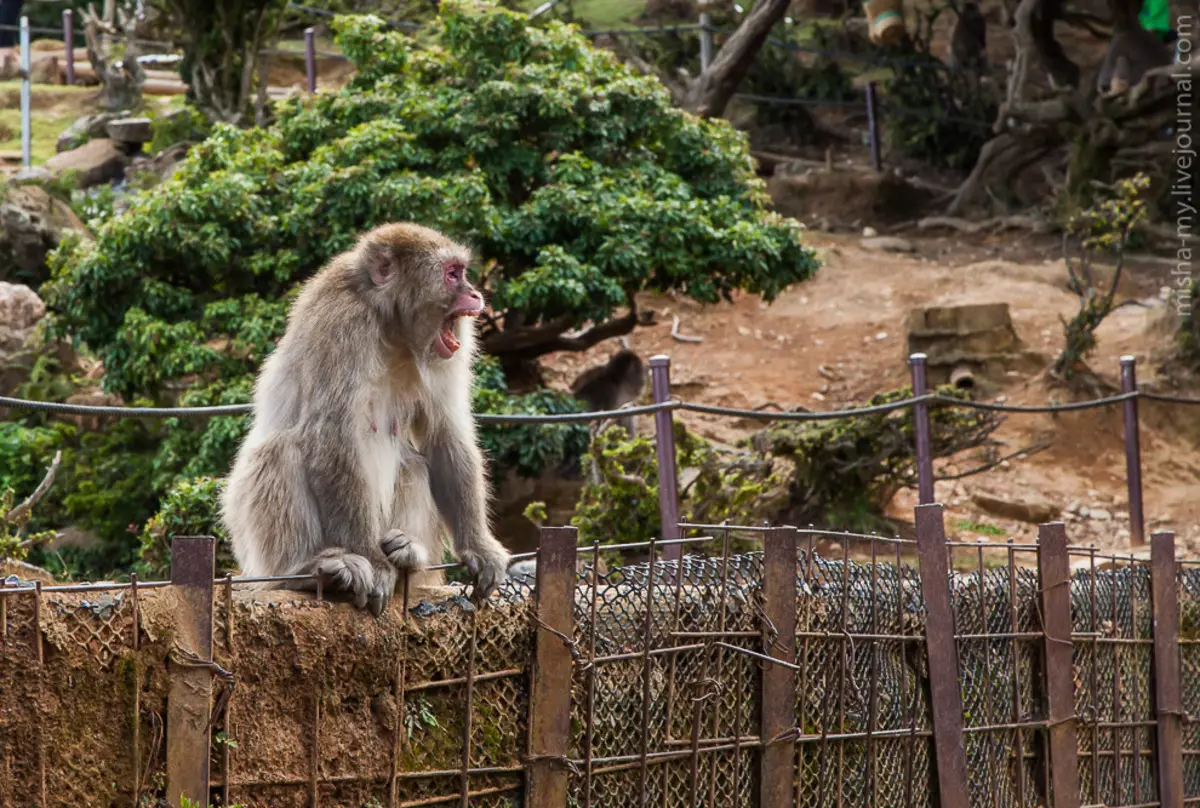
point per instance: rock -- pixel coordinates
(37, 173)
(887, 244)
(870, 232)
(94, 398)
(1030, 508)
(20, 311)
(130, 131)
(32, 223)
(1099, 514)
(45, 70)
(96, 161)
(84, 129)
(1073, 507)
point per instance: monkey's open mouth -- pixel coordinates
(446, 343)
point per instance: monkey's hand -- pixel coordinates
(488, 567)
(404, 553)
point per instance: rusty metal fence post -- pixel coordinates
(778, 770)
(664, 432)
(1133, 452)
(1054, 572)
(950, 753)
(190, 697)
(1168, 696)
(921, 421)
(550, 677)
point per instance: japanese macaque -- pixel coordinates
(1130, 54)
(362, 453)
(968, 39)
(613, 384)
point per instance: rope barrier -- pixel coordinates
(512, 419)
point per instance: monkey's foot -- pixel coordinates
(403, 552)
(347, 573)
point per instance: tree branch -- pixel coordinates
(22, 511)
(712, 92)
(530, 343)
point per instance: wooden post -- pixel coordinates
(664, 438)
(190, 697)
(550, 678)
(777, 788)
(950, 753)
(1168, 698)
(1054, 570)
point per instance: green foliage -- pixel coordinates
(190, 508)
(221, 41)
(1189, 326)
(1102, 229)
(185, 125)
(619, 500)
(576, 176)
(846, 470)
(936, 115)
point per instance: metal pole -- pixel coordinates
(873, 127)
(1168, 695)
(924, 444)
(1133, 452)
(664, 429)
(26, 126)
(706, 41)
(68, 18)
(310, 59)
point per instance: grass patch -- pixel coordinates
(598, 13)
(978, 527)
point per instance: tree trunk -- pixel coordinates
(710, 94)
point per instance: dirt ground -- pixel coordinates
(849, 321)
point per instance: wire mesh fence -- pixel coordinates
(712, 679)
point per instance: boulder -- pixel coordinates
(46, 70)
(32, 223)
(1027, 508)
(84, 129)
(20, 311)
(130, 132)
(887, 244)
(96, 162)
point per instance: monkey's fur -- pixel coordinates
(1130, 54)
(362, 452)
(968, 39)
(613, 384)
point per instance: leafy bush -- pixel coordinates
(939, 116)
(619, 500)
(575, 178)
(191, 508)
(847, 470)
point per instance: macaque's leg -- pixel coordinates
(415, 541)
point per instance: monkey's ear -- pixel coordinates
(380, 265)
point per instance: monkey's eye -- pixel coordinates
(454, 272)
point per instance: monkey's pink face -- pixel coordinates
(465, 301)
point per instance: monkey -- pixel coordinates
(1130, 54)
(968, 39)
(362, 450)
(613, 384)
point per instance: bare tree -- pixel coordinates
(1121, 129)
(112, 48)
(710, 93)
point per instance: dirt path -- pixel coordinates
(850, 320)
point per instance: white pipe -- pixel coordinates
(26, 127)
(706, 41)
